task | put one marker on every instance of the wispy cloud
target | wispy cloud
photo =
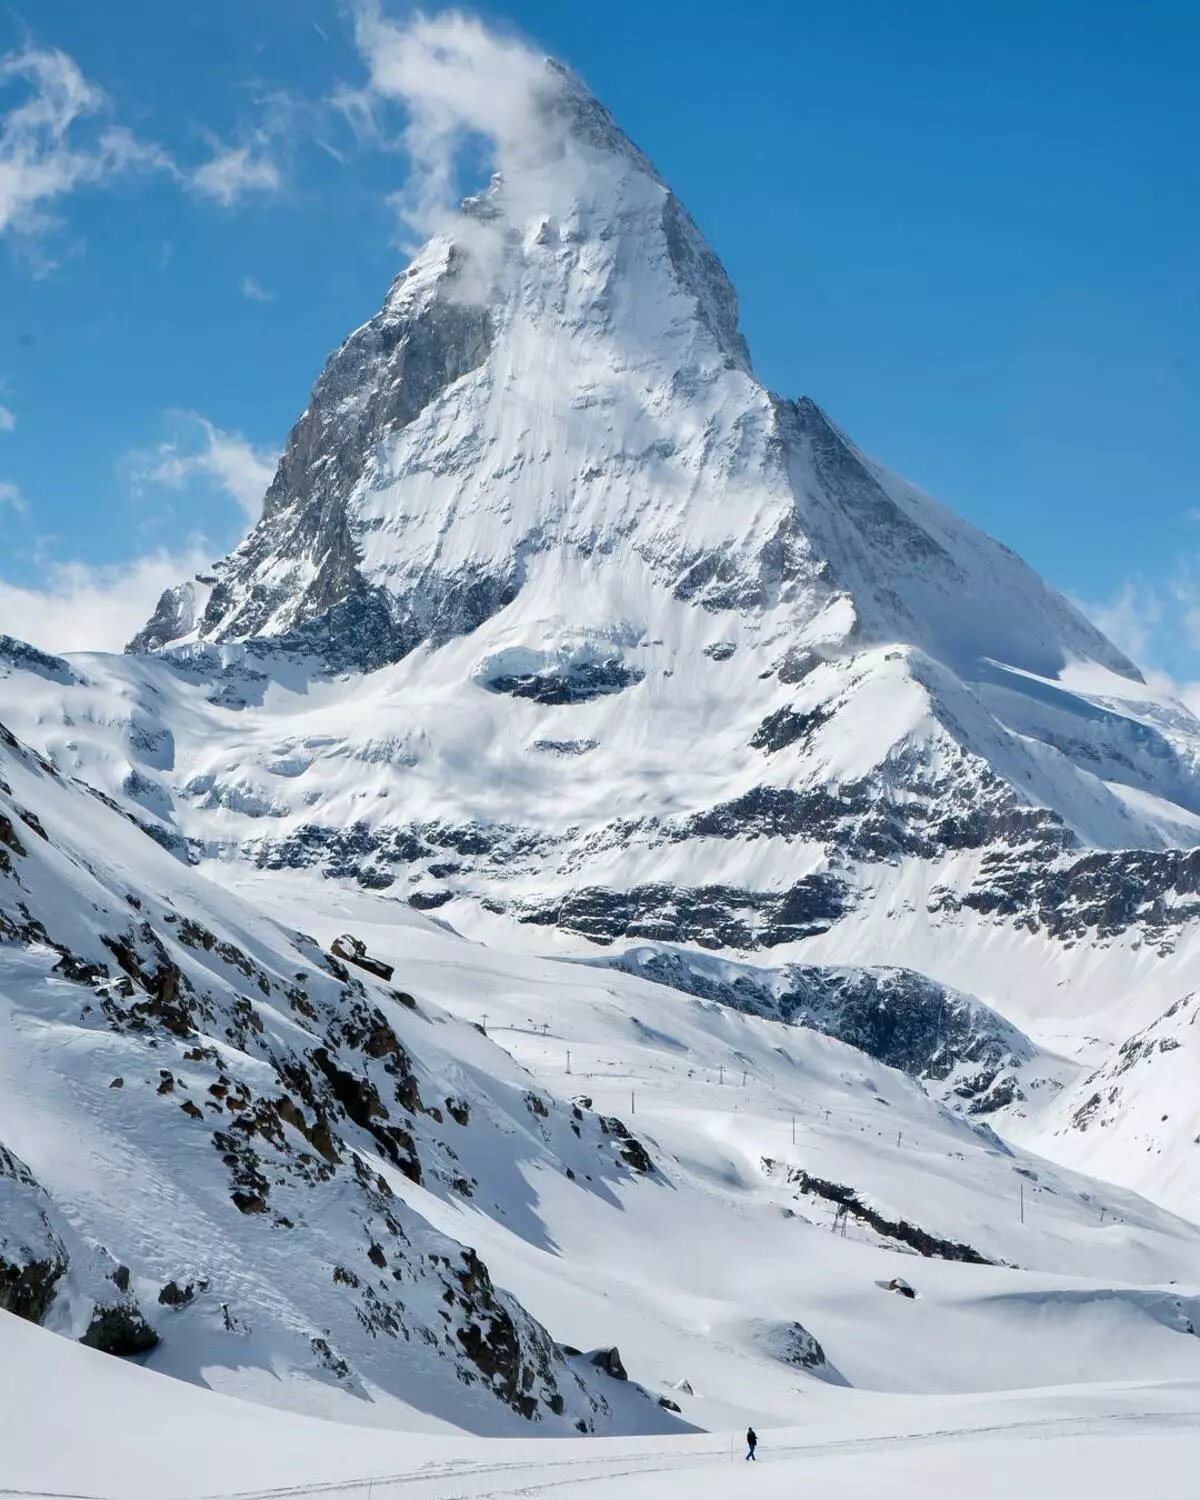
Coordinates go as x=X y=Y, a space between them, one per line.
x=79 y=607
x=252 y=292
x=58 y=138
x=200 y=450
x=253 y=163
x=10 y=496
x=1157 y=624
x=457 y=80
x=237 y=172
x=7 y=419
x=1131 y=618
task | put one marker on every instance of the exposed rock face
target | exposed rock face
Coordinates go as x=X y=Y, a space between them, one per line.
x=577 y=684
x=33 y=1258
x=27 y=658
x=849 y=1204
x=317 y=597
x=609 y=1360
x=119 y=1330
x=712 y=916
x=792 y=1344
x=631 y=1150
x=1156 y=891
x=41 y=1254
x=177 y=612
x=354 y=951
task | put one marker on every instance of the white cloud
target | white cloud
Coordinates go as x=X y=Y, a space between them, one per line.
x=58 y=139
x=61 y=136
x=251 y=164
x=456 y=80
x=200 y=450
x=1156 y=624
x=7 y=420
x=252 y=292
x=11 y=496
x=235 y=172
x=1130 y=619
x=85 y=608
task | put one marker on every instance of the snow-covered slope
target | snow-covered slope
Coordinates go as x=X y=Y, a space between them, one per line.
x=221 y=1134
x=136 y=1436
x=208 y=1121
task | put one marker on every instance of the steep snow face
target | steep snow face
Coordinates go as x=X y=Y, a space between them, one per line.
x=1138 y=1112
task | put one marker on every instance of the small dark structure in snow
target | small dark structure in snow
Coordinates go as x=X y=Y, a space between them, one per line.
x=354 y=951
x=898 y=1284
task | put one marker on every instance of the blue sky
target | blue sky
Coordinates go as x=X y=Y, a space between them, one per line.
x=971 y=231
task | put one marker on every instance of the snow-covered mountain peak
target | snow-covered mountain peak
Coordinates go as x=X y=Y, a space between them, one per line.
x=555 y=406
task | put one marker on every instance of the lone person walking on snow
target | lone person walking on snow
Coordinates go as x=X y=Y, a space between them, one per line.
x=751 y=1444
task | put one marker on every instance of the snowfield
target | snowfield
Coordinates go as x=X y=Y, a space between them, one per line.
x=136 y=1436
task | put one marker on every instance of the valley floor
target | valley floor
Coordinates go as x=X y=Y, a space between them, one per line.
x=75 y=1423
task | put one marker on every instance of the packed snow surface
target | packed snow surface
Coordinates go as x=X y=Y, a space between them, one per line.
x=137 y=1436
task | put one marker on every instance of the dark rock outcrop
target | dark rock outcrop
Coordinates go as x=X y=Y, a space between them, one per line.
x=897 y=1230
x=578 y=682
x=33 y=1258
x=354 y=951
x=898 y=1016
x=609 y=1360
x=119 y=1330
x=712 y=916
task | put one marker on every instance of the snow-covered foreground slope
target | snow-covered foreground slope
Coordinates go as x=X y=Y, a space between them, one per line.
x=703 y=1269
x=135 y=1436
x=205 y=1126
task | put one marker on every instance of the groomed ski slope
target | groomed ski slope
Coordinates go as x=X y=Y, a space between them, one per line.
x=78 y=1424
